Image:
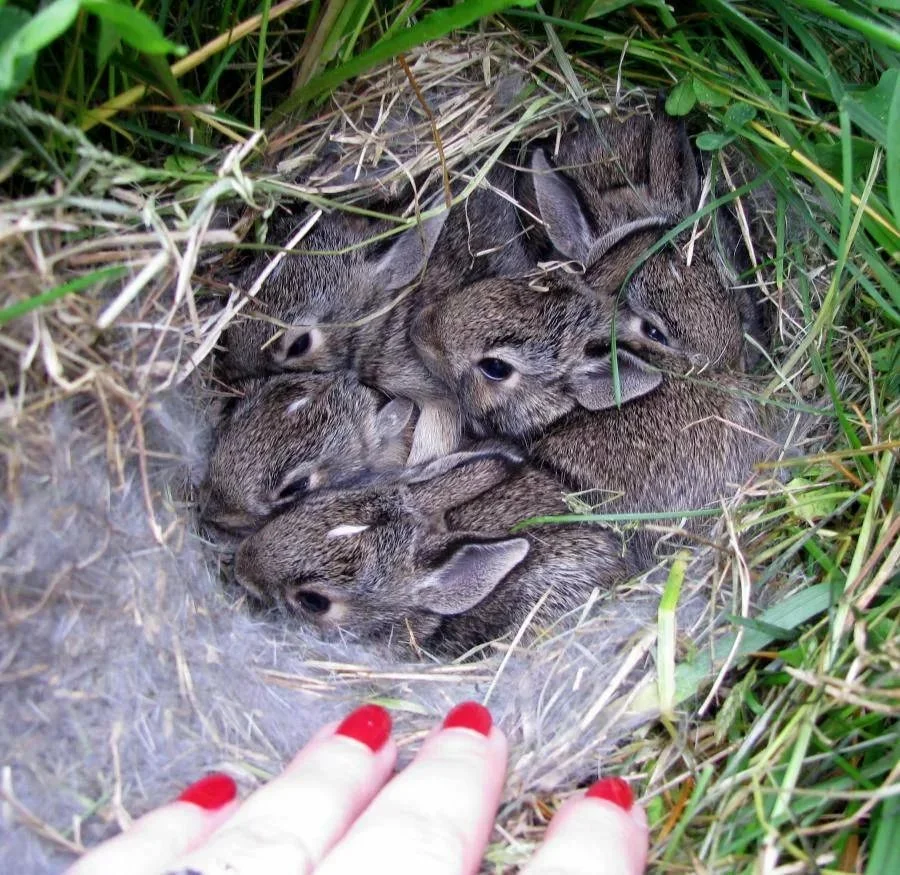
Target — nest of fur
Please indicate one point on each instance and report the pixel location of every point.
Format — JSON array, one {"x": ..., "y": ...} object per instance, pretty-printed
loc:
[{"x": 129, "y": 668}]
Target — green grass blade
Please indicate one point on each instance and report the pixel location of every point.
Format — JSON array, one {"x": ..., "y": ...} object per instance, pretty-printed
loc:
[{"x": 21, "y": 308}]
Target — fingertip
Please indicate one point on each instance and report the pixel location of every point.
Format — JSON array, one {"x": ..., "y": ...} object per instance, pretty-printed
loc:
[
  {"x": 370, "y": 725},
  {"x": 618, "y": 793},
  {"x": 595, "y": 826},
  {"x": 162, "y": 835},
  {"x": 472, "y": 716},
  {"x": 211, "y": 792}
]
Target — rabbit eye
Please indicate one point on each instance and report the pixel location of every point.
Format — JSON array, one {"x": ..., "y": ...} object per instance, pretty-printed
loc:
[
  {"x": 654, "y": 334},
  {"x": 314, "y": 602},
  {"x": 294, "y": 489},
  {"x": 495, "y": 369},
  {"x": 300, "y": 346},
  {"x": 597, "y": 349}
]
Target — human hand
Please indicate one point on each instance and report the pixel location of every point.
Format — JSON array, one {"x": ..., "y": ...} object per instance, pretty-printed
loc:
[{"x": 336, "y": 810}]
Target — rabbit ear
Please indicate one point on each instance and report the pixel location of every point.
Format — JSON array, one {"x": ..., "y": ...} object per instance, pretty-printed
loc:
[
  {"x": 561, "y": 210},
  {"x": 455, "y": 479},
  {"x": 409, "y": 252},
  {"x": 393, "y": 417},
  {"x": 592, "y": 382},
  {"x": 674, "y": 180},
  {"x": 469, "y": 574},
  {"x": 620, "y": 233}
]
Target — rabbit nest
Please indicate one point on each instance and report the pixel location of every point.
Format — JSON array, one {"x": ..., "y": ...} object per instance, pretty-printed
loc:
[{"x": 129, "y": 669}]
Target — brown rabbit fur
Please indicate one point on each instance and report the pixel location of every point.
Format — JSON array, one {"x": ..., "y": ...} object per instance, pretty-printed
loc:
[
  {"x": 683, "y": 446},
  {"x": 294, "y": 433},
  {"x": 691, "y": 438},
  {"x": 428, "y": 562}
]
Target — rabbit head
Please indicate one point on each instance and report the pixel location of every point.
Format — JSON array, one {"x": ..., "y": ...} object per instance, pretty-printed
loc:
[
  {"x": 335, "y": 277},
  {"x": 295, "y": 433},
  {"x": 378, "y": 562},
  {"x": 680, "y": 304},
  {"x": 519, "y": 355}
]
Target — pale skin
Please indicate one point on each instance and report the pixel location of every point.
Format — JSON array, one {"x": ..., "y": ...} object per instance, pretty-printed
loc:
[{"x": 339, "y": 809}]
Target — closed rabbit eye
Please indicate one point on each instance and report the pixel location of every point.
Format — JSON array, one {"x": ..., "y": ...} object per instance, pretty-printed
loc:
[
  {"x": 496, "y": 369},
  {"x": 312, "y": 602},
  {"x": 299, "y": 346},
  {"x": 294, "y": 489},
  {"x": 653, "y": 333}
]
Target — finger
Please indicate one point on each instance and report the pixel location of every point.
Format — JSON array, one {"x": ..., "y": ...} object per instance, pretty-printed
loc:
[
  {"x": 600, "y": 831},
  {"x": 156, "y": 839},
  {"x": 435, "y": 817},
  {"x": 288, "y": 825}
]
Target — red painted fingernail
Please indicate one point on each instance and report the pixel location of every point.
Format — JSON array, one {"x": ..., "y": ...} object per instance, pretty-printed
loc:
[
  {"x": 211, "y": 792},
  {"x": 370, "y": 724},
  {"x": 613, "y": 790},
  {"x": 470, "y": 715}
]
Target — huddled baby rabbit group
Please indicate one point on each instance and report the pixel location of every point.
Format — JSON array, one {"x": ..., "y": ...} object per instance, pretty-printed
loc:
[{"x": 403, "y": 403}]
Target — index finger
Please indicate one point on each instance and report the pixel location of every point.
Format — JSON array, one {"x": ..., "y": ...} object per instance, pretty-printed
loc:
[{"x": 436, "y": 816}]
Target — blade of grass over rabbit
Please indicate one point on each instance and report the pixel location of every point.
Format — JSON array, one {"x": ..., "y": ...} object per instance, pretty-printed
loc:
[{"x": 566, "y": 518}]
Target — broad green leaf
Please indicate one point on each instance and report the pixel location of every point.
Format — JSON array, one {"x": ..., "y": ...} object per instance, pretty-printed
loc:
[
  {"x": 811, "y": 504},
  {"x": 181, "y": 163},
  {"x": 788, "y": 614},
  {"x": 869, "y": 108},
  {"x": 12, "y": 20},
  {"x": 14, "y": 66},
  {"x": 46, "y": 26},
  {"x": 739, "y": 114},
  {"x": 107, "y": 41},
  {"x": 681, "y": 100},
  {"x": 709, "y": 141},
  {"x": 830, "y": 156},
  {"x": 709, "y": 96},
  {"x": 134, "y": 27}
]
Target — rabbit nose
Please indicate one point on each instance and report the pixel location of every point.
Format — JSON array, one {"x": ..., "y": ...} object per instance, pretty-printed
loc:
[
  {"x": 204, "y": 497},
  {"x": 246, "y": 563},
  {"x": 252, "y": 589},
  {"x": 237, "y": 525}
]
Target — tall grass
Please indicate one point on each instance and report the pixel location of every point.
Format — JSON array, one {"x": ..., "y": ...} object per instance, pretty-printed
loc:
[{"x": 791, "y": 763}]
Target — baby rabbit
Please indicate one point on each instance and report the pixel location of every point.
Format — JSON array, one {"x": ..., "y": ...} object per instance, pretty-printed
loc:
[
  {"x": 428, "y": 562},
  {"x": 335, "y": 278},
  {"x": 640, "y": 175},
  {"x": 325, "y": 293},
  {"x": 691, "y": 436},
  {"x": 292, "y": 434},
  {"x": 518, "y": 355}
]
